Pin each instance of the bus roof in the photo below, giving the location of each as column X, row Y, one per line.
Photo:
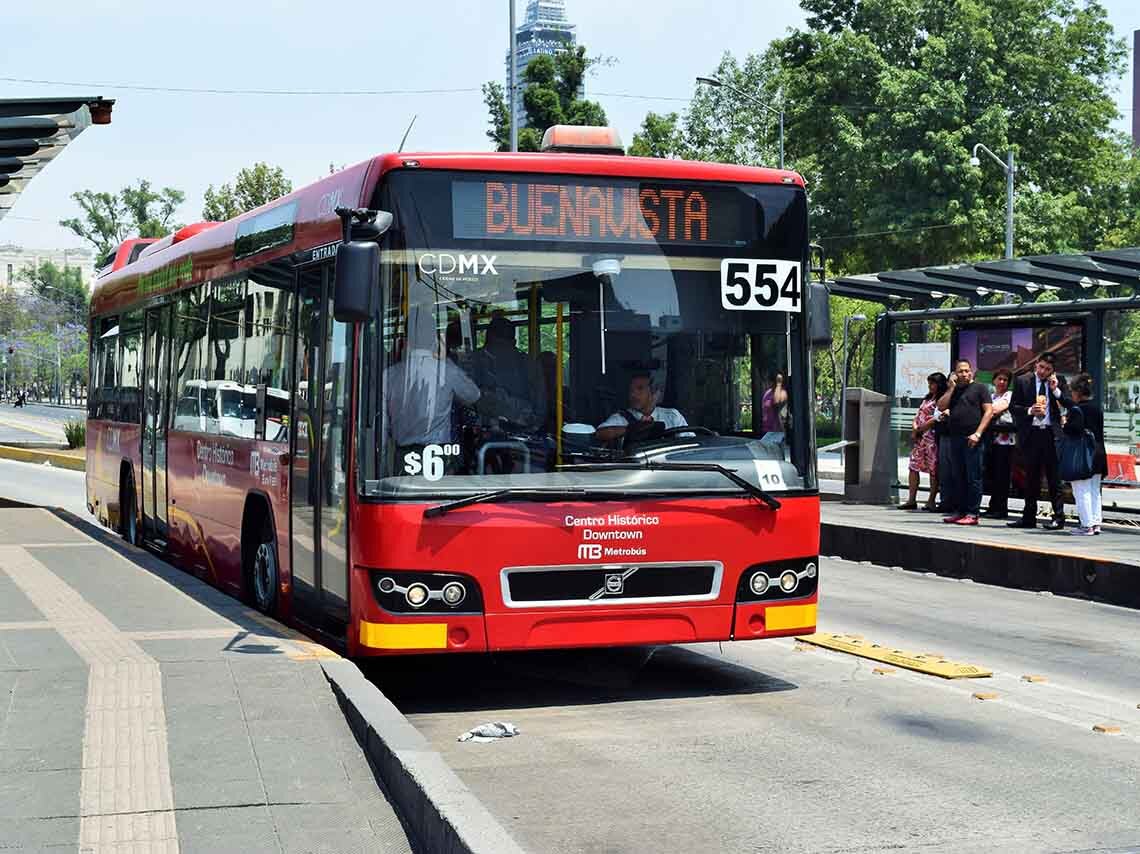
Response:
column 306, row 221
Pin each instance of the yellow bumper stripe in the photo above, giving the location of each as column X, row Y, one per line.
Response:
column 780, row 617
column 403, row 636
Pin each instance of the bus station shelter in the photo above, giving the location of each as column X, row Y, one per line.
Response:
column 1083, row 308
column 34, row 131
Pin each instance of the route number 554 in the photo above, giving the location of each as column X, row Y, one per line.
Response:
column 750, row 284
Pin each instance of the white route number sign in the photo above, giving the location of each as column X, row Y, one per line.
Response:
column 751, row 284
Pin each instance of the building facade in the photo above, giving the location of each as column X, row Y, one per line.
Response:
column 545, row 30
column 14, row 258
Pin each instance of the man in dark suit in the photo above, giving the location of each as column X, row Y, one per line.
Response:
column 1036, row 407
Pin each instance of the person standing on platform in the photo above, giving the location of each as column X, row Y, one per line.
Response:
column 971, row 409
column 1002, row 441
column 1036, row 407
column 924, row 453
column 1085, row 414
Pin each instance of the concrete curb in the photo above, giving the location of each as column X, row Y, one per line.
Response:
column 443, row 815
column 1091, row 576
column 31, row 455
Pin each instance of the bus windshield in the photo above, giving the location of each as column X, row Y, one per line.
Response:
column 501, row 358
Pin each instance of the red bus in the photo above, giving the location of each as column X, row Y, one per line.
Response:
column 471, row 402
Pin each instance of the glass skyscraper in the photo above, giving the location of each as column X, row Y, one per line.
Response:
column 545, row 29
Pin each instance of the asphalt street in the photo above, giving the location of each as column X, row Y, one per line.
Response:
column 35, row 424
column 777, row 746
column 44, row 485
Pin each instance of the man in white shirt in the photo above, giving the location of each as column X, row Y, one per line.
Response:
column 643, row 409
column 421, row 388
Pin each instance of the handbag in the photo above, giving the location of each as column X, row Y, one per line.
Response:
column 1075, row 454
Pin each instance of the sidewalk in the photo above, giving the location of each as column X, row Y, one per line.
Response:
column 145, row 711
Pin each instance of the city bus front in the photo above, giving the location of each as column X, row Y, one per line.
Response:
column 584, row 415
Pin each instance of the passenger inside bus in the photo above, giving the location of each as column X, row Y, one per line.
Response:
column 510, row 384
column 421, row 389
column 643, row 419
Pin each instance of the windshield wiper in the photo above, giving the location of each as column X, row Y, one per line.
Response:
column 749, row 487
column 496, row 494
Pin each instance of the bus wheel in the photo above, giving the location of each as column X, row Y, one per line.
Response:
column 129, row 523
column 263, row 570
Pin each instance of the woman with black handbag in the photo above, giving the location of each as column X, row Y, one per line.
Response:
column 1082, row 450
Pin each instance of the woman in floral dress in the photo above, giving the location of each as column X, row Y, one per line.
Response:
column 924, row 453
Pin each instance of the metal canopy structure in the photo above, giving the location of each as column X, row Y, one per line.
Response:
column 33, row 132
column 1071, row 277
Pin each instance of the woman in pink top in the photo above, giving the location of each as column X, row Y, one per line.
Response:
column 924, row 453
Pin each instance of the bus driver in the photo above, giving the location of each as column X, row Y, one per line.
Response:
column 643, row 411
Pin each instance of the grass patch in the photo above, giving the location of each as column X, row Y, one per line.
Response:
column 75, row 431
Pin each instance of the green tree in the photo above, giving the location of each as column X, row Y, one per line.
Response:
column 253, row 187
column 60, row 286
column 110, row 218
column 660, row 136
column 550, row 86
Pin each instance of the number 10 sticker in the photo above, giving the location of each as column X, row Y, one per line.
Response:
column 748, row 284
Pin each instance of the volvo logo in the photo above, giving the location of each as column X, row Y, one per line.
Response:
column 614, row 584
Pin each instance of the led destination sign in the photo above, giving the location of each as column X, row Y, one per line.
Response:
column 610, row 212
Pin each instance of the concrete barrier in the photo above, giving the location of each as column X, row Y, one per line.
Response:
column 442, row 814
column 35, row 455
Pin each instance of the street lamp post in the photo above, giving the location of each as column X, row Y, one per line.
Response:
column 1009, row 169
column 716, row 83
column 843, row 393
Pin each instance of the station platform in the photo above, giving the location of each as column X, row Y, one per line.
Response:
column 1105, row 567
column 143, row 711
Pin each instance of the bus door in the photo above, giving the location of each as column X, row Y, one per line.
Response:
column 319, row 480
column 156, row 359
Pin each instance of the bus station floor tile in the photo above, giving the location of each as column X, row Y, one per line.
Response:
column 132, row 688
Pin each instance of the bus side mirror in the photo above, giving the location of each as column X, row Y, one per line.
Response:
column 819, row 315
column 357, row 279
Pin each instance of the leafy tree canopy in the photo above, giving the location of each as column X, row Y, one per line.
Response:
column 61, row 286
column 884, row 100
column 252, row 188
column 549, row 86
column 110, row 218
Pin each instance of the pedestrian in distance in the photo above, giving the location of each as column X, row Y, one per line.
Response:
column 1085, row 414
column 924, row 451
column 1036, row 408
column 1002, row 440
column 971, row 409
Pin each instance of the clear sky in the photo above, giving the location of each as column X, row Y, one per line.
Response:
column 189, row 141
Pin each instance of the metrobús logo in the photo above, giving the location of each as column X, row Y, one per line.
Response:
column 597, row 531
column 264, row 468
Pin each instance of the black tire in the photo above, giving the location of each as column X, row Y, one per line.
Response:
column 128, row 521
column 262, row 572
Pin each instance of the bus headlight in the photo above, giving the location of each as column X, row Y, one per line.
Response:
column 810, row 570
column 417, row 595
column 760, row 583
column 454, row 593
column 386, row 585
column 788, row 581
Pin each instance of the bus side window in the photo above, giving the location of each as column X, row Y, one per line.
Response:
column 103, row 364
column 188, row 359
column 268, row 329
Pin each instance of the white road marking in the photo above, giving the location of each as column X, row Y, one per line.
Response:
column 126, row 801
column 25, row 625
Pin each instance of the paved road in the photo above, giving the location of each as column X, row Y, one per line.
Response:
column 44, row 485
column 35, row 423
column 765, row 746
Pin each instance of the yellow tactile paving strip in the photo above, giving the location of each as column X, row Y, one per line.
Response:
column 935, row 665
